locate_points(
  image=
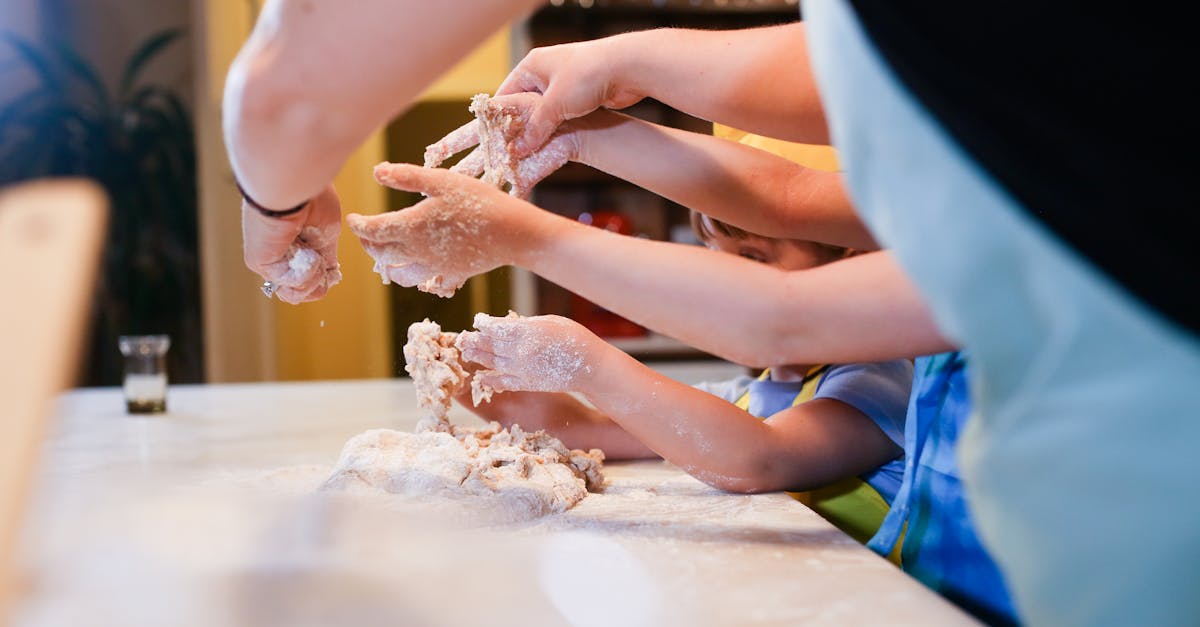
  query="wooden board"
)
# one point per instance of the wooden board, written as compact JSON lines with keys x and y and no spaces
{"x":50,"y":235}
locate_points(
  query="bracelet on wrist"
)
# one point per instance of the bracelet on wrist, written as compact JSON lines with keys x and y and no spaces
{"x":270,"y":213}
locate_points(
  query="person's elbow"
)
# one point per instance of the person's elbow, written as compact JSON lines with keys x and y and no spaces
{"x":748,"y":476}
{"x":277,"y":132}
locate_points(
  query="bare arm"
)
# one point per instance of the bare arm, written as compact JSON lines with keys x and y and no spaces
{"x":317,"y":77}
{"x":750,"y":188}
{"x":564,"y":417}
{"x":800,"y":448}
{"x":859,"y":309}
{"x":758,"y":80}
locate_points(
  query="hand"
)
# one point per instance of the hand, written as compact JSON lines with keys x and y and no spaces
{"x":574,"y":80}
{"x":536,"y":354}
{"x":298,"y":253}
{"x":460,"y":230}
{"x":509,"y":116}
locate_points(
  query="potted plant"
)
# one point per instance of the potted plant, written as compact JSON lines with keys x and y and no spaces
{"x":137,"y":141}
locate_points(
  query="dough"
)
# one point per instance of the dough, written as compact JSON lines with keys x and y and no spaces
{"x":434,"y":363}
{"x":499,"y":165}
{"x":521,"y":474}
{"x":493,"y":127}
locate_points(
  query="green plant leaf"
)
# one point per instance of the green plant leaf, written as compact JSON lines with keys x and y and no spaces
{"x":148,"y":50}
{"x":85,"y":73}
{"x":38,"y":62}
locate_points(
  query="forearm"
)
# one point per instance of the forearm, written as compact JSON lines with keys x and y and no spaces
{"x":859,"y":309}
{"x":709,"y":437}
{"x":750,"y":188}
{"x":316,"y":78}
{"x":564,"y":417}
{"x":758,"y":80}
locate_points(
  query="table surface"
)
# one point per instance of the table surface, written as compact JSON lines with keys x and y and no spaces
{"x":207,"y":515}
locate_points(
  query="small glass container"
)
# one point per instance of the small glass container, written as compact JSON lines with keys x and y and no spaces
{"x":145,"y":372}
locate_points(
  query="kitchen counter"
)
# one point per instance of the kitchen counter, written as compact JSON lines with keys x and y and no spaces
{"x":209,"y":515}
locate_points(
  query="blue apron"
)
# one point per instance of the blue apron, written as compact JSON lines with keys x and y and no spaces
{"x":940,"y":547}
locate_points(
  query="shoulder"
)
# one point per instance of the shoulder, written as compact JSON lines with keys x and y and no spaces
{"x":879,"y":390}
{"x":870,"y":375}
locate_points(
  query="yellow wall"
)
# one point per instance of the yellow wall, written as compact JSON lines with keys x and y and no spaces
{"x":480,"y":71}
{"x":248,"y":337}
{"x":346,"y":334}
{"x":808,"y":155}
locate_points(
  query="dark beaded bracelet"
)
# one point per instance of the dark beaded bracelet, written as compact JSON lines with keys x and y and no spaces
{"x":270,"y":213}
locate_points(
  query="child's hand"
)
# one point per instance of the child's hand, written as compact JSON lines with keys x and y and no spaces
{"x":462,"y":229}
{"x":537,"y":354}
{"x":576,"y":79}
{"x":515,"y":109}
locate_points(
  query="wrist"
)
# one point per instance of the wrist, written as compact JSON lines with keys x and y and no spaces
{"x":289,"y":212}
{"x":625,"y":58}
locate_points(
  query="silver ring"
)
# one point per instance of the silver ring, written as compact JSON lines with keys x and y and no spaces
{"x":268,"y":289}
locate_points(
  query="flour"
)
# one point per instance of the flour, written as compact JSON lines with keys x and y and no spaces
{"x":494,"y":126}
{"x":519,"y":474}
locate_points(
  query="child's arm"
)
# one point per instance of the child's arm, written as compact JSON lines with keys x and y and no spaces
{"x":564,"y":417}
{"x":758,"y":80}
{"x":859,"y":309}
{"x":800,"y":448}
{"x":744,"y":186}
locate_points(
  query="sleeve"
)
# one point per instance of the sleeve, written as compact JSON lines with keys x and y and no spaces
{"x":878,"y":390}
{"x":730,"y":389}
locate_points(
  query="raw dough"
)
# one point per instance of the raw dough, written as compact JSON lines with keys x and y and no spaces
{"x":523,"y":474}
{"x":493,"y":127}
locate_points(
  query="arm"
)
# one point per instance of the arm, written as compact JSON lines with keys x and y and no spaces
{"x":800,"y":448}
{"x":750,"y":188}
{"x":564,"y":417}
{"x":859,"y":309}
{"x":312,"y":82}
{"x":758,"y":80}
{"x":317,"y":77}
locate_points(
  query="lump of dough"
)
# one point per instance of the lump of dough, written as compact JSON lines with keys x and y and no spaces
{"x":524,"y":474}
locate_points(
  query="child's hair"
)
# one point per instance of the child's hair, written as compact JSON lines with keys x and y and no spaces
{"x":707,"y":227}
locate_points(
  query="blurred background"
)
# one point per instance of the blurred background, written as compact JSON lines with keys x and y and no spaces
{"x":128,"y":92}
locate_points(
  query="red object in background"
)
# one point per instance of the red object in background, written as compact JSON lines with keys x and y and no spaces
{"x":597,"y":319}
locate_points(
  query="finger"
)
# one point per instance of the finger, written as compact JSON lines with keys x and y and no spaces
{"x":483,"y":358}
{"x":304,"y":293}
{"x":441,"y":286}
{"x":522,"y":78}
{"x":473,"y":341}
{"x":501,"y":382}
{"x":545,"y":118}
{"x":407,"y":177}
{"x":407,"y":275}
{"x":454,"y":142}
{"x":471,"y":165}
{"x":389,"y":228}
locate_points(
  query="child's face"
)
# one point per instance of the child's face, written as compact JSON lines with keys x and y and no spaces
{"x":785,"y":254}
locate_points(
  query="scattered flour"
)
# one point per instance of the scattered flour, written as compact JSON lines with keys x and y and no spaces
{"x":522,"y":474}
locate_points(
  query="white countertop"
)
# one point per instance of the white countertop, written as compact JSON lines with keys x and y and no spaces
{"x":206,"y":515}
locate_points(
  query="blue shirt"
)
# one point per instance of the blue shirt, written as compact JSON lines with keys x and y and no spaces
{"x":879,"y":390}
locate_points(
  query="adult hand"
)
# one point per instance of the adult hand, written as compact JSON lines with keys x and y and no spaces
{"x":535,"y":354}
{"x":297,"y":253}
{"x":574,"y":80}
{"x":506,"y":119}
{"x":437,"y":244}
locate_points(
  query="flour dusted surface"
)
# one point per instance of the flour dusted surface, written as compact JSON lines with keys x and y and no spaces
{"x":513,"y":473}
